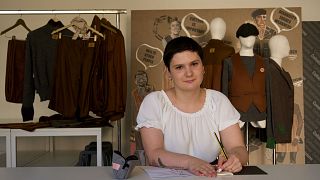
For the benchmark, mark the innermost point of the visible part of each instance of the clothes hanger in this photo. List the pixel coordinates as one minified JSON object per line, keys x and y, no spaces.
{"x":55,"y":18}
{"x":62,"y":28}
{"x":104,"y":24}
{"x":19,"y":22}
{"x":108,"y":27}
{"x":55,"y":21}
{"x":78,"y":23}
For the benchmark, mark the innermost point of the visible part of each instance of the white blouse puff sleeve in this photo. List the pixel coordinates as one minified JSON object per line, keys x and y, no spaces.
{"x":188,"y":133}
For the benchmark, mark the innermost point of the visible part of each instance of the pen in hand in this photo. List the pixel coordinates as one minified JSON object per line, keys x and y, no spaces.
{"x":221,"y":146}
{"x":222,"y":149}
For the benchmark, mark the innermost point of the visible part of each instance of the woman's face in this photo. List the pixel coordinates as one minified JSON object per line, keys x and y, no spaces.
{"x":175,"y":28}
{"x":186,"y":70}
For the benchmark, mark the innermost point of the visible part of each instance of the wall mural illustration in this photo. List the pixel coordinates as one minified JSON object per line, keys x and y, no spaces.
{"x":153,"y":29}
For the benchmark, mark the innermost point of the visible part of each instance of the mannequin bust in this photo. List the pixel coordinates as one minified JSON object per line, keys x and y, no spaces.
{"x":281,"y":93}
{"x":246,"y":49}
{"x":218,"y":28}
{"x":214,"y":53}
{"x":279,"y":48}
{"x":243,"y":79}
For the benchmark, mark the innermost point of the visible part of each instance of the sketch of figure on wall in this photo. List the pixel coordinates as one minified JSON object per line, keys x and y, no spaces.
{"x":142,"y":89}
{"x":175,"y":29}
{"x":259,"y":17}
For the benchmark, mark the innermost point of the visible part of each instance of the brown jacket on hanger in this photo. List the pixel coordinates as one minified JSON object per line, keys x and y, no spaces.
{"x":243,"y":90}
{"x":109,"y":82}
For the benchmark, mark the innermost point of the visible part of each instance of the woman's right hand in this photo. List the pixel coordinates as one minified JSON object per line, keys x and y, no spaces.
{"x":199,"y":167}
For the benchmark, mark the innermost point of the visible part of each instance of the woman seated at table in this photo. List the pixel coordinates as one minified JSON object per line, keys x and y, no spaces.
{"x":178,"y":125}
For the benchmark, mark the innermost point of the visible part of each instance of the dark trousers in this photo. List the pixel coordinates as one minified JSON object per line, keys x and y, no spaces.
{"x":15,"y":71}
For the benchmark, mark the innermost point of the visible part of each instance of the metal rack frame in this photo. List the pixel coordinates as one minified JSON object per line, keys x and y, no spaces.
{"x":117,"y":12}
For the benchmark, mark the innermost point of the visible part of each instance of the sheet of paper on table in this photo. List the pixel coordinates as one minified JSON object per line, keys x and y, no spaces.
{"x":164,"y":173}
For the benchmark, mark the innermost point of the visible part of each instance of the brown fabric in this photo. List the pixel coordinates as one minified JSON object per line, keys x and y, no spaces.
{"x":289,"y":146}
{"x":282,"y":102}
{"x":214,"y":54}
{"x":15,"y":70}
{"x":26,"y":126}
{"x":244,"y":90}
{"x":297,"y":126}
{"x":86,"y":123}
{"x":73,"y":70}
{"x":109,"y":87}
{"x":59,"y":123}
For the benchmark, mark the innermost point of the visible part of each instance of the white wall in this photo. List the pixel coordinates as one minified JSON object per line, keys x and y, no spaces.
{"x":11,"y":112}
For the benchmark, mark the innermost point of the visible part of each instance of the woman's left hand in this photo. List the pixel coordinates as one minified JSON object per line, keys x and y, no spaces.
{"x":233,"y":164}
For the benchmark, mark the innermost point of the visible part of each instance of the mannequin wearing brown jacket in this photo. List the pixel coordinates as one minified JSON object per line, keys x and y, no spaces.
{"x":285,"y":125}
{"x":243,"y":79}
{"x":214,"y":53}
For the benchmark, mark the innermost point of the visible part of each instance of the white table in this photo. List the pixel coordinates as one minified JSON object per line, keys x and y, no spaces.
{"x":52,"y":132}
{"x":275,"y":172}
{"x":6,"y":134}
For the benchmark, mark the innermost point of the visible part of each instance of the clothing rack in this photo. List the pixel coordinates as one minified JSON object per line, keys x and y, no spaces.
{"x":35,"y":12}
{"x":117,"y":12}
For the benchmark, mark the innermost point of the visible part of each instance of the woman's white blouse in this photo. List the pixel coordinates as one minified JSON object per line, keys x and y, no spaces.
{"x":188,"y":133}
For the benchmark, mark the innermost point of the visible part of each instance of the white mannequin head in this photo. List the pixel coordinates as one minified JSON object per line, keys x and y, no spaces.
{"x":279,"y":48}
{"x":247,"y":44}
{"x":218,"y":28}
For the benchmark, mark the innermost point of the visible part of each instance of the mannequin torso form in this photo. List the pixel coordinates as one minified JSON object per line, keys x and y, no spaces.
{"x":246,"y":49}
{"x":215,"y":52}
{"x":244,"y":79}
{"x":281,"y":93}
